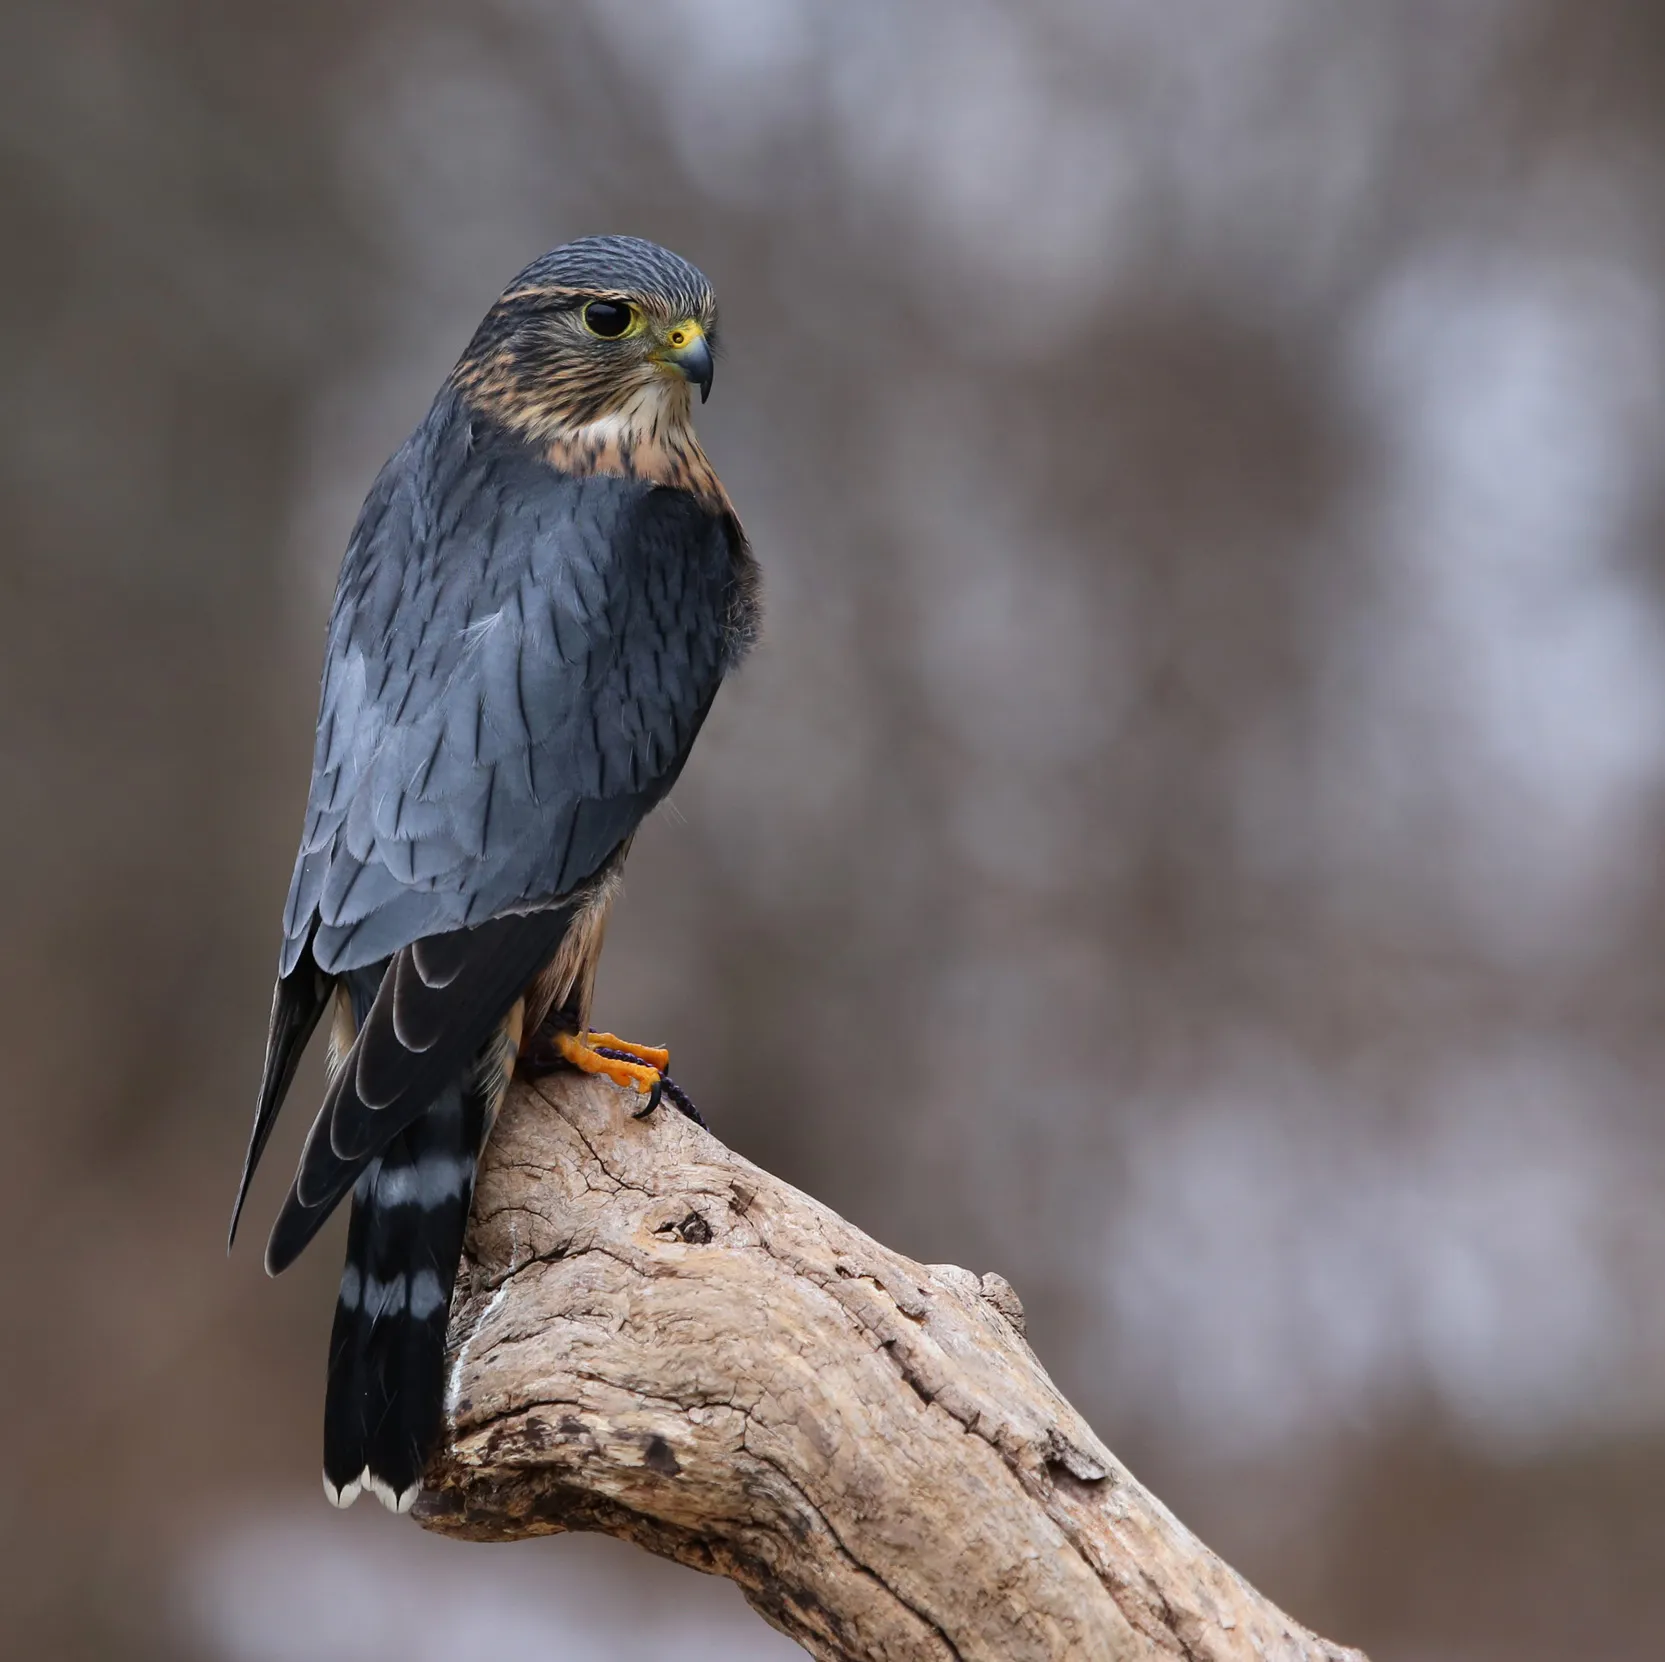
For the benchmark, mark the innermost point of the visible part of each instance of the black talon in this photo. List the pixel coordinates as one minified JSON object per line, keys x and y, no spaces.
{"x":652,"y":1101}
{"x":625,"y":1056}
{"x":665,"y":1085}
{"x":613,"y":1055}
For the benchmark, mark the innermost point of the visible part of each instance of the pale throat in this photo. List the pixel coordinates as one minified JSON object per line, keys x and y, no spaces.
{"x":650,"y":412}
{"x":648,"y":434}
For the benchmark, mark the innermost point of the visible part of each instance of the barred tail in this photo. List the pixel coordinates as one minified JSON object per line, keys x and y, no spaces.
{"x":384,"y":1405}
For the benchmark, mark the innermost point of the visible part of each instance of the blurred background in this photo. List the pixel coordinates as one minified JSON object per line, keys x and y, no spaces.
{"x":1206,"y":456}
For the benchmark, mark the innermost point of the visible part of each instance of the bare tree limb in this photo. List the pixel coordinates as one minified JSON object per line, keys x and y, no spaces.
{"x":656,"y":1339}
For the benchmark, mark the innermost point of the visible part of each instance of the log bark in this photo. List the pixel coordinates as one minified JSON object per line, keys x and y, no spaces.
{"x":654,"y":1338}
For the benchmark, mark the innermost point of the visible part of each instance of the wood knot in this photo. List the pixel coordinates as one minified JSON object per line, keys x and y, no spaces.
{"x":661,"y":1457}
{"x":693,"y":1229}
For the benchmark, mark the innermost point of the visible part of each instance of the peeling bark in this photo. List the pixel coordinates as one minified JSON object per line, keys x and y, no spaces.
{"x":656,"y":1339}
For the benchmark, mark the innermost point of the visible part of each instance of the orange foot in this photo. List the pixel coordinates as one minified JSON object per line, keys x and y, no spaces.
{"x":653,"y":1056}
{"x":587,"y":1053}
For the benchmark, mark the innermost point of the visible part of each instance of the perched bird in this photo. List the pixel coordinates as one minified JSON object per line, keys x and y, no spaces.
{"x":542,"y":593}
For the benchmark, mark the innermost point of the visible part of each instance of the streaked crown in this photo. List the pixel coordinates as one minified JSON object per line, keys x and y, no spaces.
{"x":624,"y":266}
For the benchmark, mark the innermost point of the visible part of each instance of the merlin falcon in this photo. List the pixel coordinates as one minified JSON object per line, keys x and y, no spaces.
{"x":544,"y":589}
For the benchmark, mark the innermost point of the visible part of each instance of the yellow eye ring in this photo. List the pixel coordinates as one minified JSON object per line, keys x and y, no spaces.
{"x":610,"y":319}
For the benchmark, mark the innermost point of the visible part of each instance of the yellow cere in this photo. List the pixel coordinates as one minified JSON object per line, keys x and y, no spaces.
{"x":684,"y":334}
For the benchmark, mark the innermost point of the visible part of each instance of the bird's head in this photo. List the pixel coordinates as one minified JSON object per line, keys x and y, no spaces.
{"x":605,"y":333}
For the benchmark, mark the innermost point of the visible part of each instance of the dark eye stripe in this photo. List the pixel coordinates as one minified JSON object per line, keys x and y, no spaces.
{"x":606,"y":318}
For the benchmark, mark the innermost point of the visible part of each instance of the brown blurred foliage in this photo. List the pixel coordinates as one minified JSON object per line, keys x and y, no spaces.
{"x":1188,"y":840}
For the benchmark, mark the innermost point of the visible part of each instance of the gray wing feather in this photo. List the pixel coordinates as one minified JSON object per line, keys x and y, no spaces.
{"x":518,"y":663}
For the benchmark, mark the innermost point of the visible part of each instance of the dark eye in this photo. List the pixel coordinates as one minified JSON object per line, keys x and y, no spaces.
{"x":607,"y":318}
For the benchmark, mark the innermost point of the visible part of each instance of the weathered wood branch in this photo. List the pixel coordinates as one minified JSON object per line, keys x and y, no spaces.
{"x":654,"y":1338}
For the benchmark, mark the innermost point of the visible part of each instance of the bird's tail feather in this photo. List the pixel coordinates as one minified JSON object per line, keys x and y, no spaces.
{"x":384,"y":1405}
{"x":298,"y":1001}
{"x":419,"y":1020}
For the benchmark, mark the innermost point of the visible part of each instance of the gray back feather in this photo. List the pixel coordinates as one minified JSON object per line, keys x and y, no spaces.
{"x":518,"y":662}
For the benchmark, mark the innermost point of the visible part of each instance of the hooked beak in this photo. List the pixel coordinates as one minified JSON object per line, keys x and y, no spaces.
{"x":687,"y":350}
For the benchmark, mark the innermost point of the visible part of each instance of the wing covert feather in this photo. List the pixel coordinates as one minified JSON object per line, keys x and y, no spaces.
{"x":518,"y":664}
